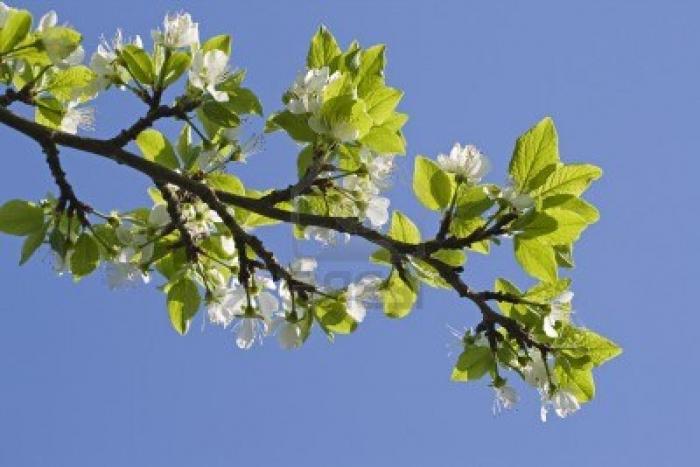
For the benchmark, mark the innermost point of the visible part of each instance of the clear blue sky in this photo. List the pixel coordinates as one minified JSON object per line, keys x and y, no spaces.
{"x":92,"y":377}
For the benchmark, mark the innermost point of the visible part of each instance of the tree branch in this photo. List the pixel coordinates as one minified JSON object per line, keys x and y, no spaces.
{"x":216,"y":200}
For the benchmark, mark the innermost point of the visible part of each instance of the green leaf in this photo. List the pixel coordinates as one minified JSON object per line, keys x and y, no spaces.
{"x":578,"y":381}
{"x":221,"y":114}
{"x":544,"y":292}
{"x":59,"y":42}
{"x":403,"y":229}
{"x":19,"y":217}
{"x":16,"y":28}
{"x":454,"y":258}
{"x":345,"y":117}
{"x":85,"y":257}
{"x":472,"y":364}
{"x":581,"y":343}
{"x":33,"y":241}
{"x":184,"y":141}
{"x":384,"y":141}
{"x":221,"y":42}
{"x":569,"y":227}
{"x":139,"y":63}
{"x":370,"y":73}
{"x":536,"y":258}
{"x":397,"y":296}
{"x":381,"y":103}
{"x":49,"y":112}
{"x":244,"y":101}
{"x":296,"y":126}
{"x":534,"y":225}
{"x":177,"y":64}
{"x":571,"y":179}
{"x":505,"y":286}
{"x":156,"y":148}
{"x":472,"y":202}
{"x":333,"y":316}
{"x":183,"y":302}
{"x":396,"y":121}
{"x":66,"y":85}
{"x":536,"y":152}
{"x":226,"y":182}
{"x":564,"y":255}
{"x":432,"y":186}
{"x":571,"y":203}
{"x":323,"y":49}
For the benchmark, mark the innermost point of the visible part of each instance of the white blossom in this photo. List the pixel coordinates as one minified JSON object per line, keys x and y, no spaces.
{"x":136,"y":237}
{"x":535,"y":372}
{"x":560,"y":311}
{"x":107,"y":52}
{"x":77,"y":118}
{"x":562,"y":401}
{"x":505,"y":397}
{"x":379,"y":168}
{"x":200,"y":220}
{"x":377,"y":211}
{"x":324,"y":236}
{"x":519,"y":201}
{"x":358,"y":293}
{"x":208,"y":70}
{"x":61,"y":264}
{"x":306,"y":93}
{"x":4,"y":13}
{"x":209,"y":159}
{"x":124,"y":270}
{"x":466,"y":162}
{"x":251,"y":329}
{"x":159,"y":216}
{"x":372,"y":206}
{"x":49,"y":20}
{"x":302,"y":269}
{"x":178,"y":31}
{"x":226,"y":303}
{"x":285,"y":325}
{"x":230,"y":305}
{"x":289,"y":335}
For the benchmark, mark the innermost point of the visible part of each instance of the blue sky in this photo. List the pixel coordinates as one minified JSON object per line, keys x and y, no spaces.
{"x":93,"y":377}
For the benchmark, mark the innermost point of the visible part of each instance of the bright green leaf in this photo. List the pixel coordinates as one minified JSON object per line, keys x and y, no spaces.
{"x":384,"y":141}
{"x":403,"y":229}
{"x":536,"y":151}
{"x":397,"y":296}
{"x":139,"y":63}
{"x":571,"y":179}
{"x":33,"y":241}
{"x":432,"y":186}
{"x":323,"y":49}
{"x":183,"y":302}
{"x":156,"y":147}
{"x":18,"y":217}
{"x":16,"y":27}
{"x":472,"y":364}
{"x":381,"y":103}
{"x":536,"y":258}
{"x":85,"y":257}
{"x":221,"y":42}
{"x":296,"y":126}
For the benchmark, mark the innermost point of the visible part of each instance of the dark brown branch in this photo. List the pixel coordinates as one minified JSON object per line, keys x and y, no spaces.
{"x":67,"y":200}
{"x":175,"y":213}
{"x":352,"y":226}
{"x":304,"y":183}
{"x":178,"y":110}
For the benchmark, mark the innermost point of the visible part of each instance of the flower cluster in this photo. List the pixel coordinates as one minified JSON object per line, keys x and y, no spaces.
{"x":466,"y":162}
